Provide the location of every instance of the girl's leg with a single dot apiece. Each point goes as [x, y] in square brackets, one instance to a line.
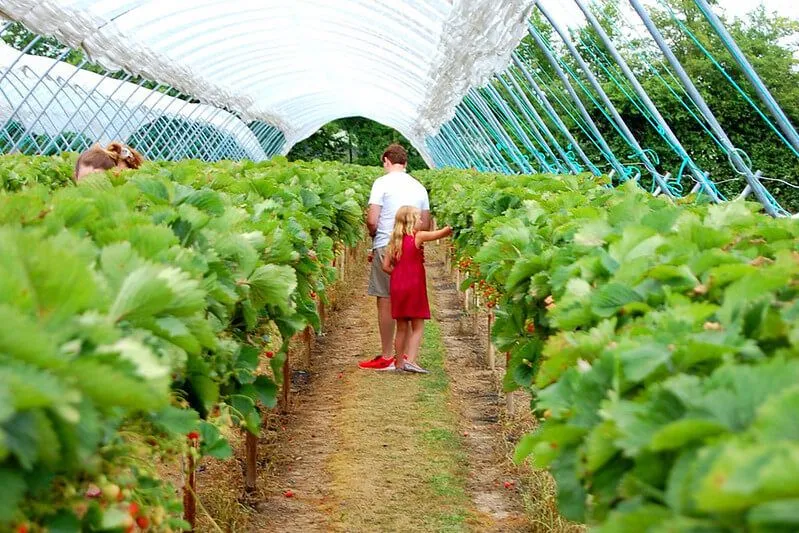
[401, 339]
[415, 338]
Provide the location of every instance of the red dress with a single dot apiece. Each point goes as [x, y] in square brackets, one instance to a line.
[408, 287]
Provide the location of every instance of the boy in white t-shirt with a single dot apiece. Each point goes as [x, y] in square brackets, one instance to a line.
[389, 193]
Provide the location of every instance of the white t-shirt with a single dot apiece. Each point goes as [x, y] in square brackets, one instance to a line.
[391, 192]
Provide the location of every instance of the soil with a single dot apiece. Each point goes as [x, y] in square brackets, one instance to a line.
[379, 451]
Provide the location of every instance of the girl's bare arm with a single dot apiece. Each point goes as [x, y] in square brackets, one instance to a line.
[427, 236]
[388, 264]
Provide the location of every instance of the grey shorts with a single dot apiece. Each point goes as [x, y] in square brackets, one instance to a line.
[379, 280]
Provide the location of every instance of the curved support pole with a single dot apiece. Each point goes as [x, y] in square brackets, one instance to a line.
[542, 97]
[699, 176]
[607, 152]
[736, 159]
[751, 74]
[537, 124]
[614, 113]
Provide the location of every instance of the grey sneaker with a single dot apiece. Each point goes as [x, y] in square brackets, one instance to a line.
[414, 368]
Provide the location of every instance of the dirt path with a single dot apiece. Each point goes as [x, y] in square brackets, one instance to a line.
[387, 451]
[479, 401]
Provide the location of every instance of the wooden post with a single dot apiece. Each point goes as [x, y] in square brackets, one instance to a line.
[251, 469]
[509, 407]
[491, 355]
[476, 312]
[190, 485]
[322, 312]
[286, 383]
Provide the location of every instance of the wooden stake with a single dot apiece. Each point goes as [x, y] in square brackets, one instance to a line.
[491, 352]
[251, 469]
[286, 384]
[509, 406]
[190, 486]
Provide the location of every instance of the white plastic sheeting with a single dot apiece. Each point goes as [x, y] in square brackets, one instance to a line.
[298, 64]
[51, 98]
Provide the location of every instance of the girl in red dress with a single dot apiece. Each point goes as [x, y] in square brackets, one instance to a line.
[404, 261]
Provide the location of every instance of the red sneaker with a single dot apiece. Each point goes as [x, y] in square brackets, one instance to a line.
[378, 363]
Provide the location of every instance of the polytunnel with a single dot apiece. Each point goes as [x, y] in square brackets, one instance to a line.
[215, 80]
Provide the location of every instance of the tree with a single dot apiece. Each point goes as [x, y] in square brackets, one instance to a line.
[353, 140]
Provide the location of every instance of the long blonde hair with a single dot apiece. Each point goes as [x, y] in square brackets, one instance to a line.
[404, 224]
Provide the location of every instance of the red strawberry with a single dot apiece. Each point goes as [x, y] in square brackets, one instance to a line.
[22, 528]
[313, 295]
[530, 326]
[340, 375]
[143, 522]
[288, 494]
[133, 509]
[193, 435]
[508, 484]
[269, 354]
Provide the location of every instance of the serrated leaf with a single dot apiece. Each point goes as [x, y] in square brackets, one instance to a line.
[211, 442]
[680, 433]
[608, 299]
[176, 421]
[273, 285]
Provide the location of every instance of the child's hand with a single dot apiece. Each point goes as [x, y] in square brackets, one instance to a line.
[447, 231]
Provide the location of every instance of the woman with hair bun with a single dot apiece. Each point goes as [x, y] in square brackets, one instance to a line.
[98, 159]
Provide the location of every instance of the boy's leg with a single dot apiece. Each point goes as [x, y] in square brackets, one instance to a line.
[386, 326]
[415, 338]
[379, 286]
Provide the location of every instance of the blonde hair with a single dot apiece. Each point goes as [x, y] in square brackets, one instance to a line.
[114, 155]
[404, 224]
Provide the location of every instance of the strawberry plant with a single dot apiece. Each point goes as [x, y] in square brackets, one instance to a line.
[135, 308]
[658, 340]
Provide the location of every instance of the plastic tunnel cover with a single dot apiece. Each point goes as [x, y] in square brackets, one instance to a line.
[298, 64]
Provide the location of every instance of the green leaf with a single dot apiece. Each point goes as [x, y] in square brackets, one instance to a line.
[273, 285]
[267, 391]
[63, 522]
[211, 442]
[13, 491]
[608, 299]
[777, 419]
[599, 446]
[176, 421]
[640, 518]
[639, 362]
[680, 433]
[785, 512]
[134, 394]
[22, 339]
[744, 475]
